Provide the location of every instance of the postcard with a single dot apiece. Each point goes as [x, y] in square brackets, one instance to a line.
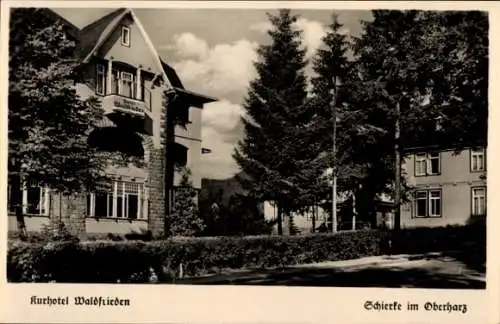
[249, 162]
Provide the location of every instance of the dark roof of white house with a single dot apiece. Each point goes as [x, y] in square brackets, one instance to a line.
[91, 37]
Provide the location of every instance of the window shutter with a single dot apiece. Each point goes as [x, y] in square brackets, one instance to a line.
[428, 164]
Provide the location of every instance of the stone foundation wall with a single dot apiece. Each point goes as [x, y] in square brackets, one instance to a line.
[155, 185]
[71, 210]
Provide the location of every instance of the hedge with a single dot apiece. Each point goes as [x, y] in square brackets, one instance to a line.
[160, 261]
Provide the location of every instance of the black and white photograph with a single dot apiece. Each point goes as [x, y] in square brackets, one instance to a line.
[271, 146]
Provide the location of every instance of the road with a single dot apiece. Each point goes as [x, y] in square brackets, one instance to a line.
[403, 271]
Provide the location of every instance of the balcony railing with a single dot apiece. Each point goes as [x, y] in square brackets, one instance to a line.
[132, 112]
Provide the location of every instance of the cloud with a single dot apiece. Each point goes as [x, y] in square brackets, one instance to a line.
[224, 71]
[344, 31]
[312, 33]
[221, 70]
[187, 45]
[225, 117]
[221, 130]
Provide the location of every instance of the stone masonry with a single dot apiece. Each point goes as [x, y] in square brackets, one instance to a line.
[156, 192]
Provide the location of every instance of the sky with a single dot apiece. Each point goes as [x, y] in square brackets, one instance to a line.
[213, 51]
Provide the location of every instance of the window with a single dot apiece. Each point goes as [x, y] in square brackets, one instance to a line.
[131, 201]
[421, 204]
[126, 85]
[479, 201]
[115, 80]
[127, 200]
[420, 164]
[477, 160]
[183, 115]
[100, 203]
[428, 203]
[10, 203]
[124, 82]
[427, 164]
[435, 203]
[179, 155]
[35, 199]
[100, 84]
[433, 164]
[125, 37]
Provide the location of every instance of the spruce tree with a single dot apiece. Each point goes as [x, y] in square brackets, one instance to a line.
[48, 123]
[184, 219]
[278, 153]
[331, 66]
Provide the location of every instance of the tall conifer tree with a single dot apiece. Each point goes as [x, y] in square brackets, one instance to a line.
[331, 67]
[185, 219]
[278, 154]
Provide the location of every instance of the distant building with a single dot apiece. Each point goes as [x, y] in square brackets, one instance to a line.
[449, 188]
[123, 69]
[319, 217]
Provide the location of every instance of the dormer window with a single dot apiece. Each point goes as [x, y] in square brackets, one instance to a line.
[125, 36]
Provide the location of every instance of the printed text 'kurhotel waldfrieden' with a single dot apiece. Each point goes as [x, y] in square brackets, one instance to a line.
[98, 301]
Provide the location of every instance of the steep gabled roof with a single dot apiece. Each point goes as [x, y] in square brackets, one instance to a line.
[92, 35]
[172, 75]
[177, 85]
[70, 28]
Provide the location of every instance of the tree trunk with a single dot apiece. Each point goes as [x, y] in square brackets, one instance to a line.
[314, 219]
[17, 201]
[354, 211]
[60, 207]
[291, 229]
[280, 220]
[397, 180]
[334, 153]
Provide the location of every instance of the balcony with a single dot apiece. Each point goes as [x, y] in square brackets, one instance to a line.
[128, 112]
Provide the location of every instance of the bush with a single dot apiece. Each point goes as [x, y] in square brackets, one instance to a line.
[55, 230]
[144, 235]
[422, 240]
[160, 261]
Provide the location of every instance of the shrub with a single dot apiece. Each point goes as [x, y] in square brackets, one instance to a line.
[422, 240]
[55, 230]
[143, 235]
[161, 261]
[184, 218]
